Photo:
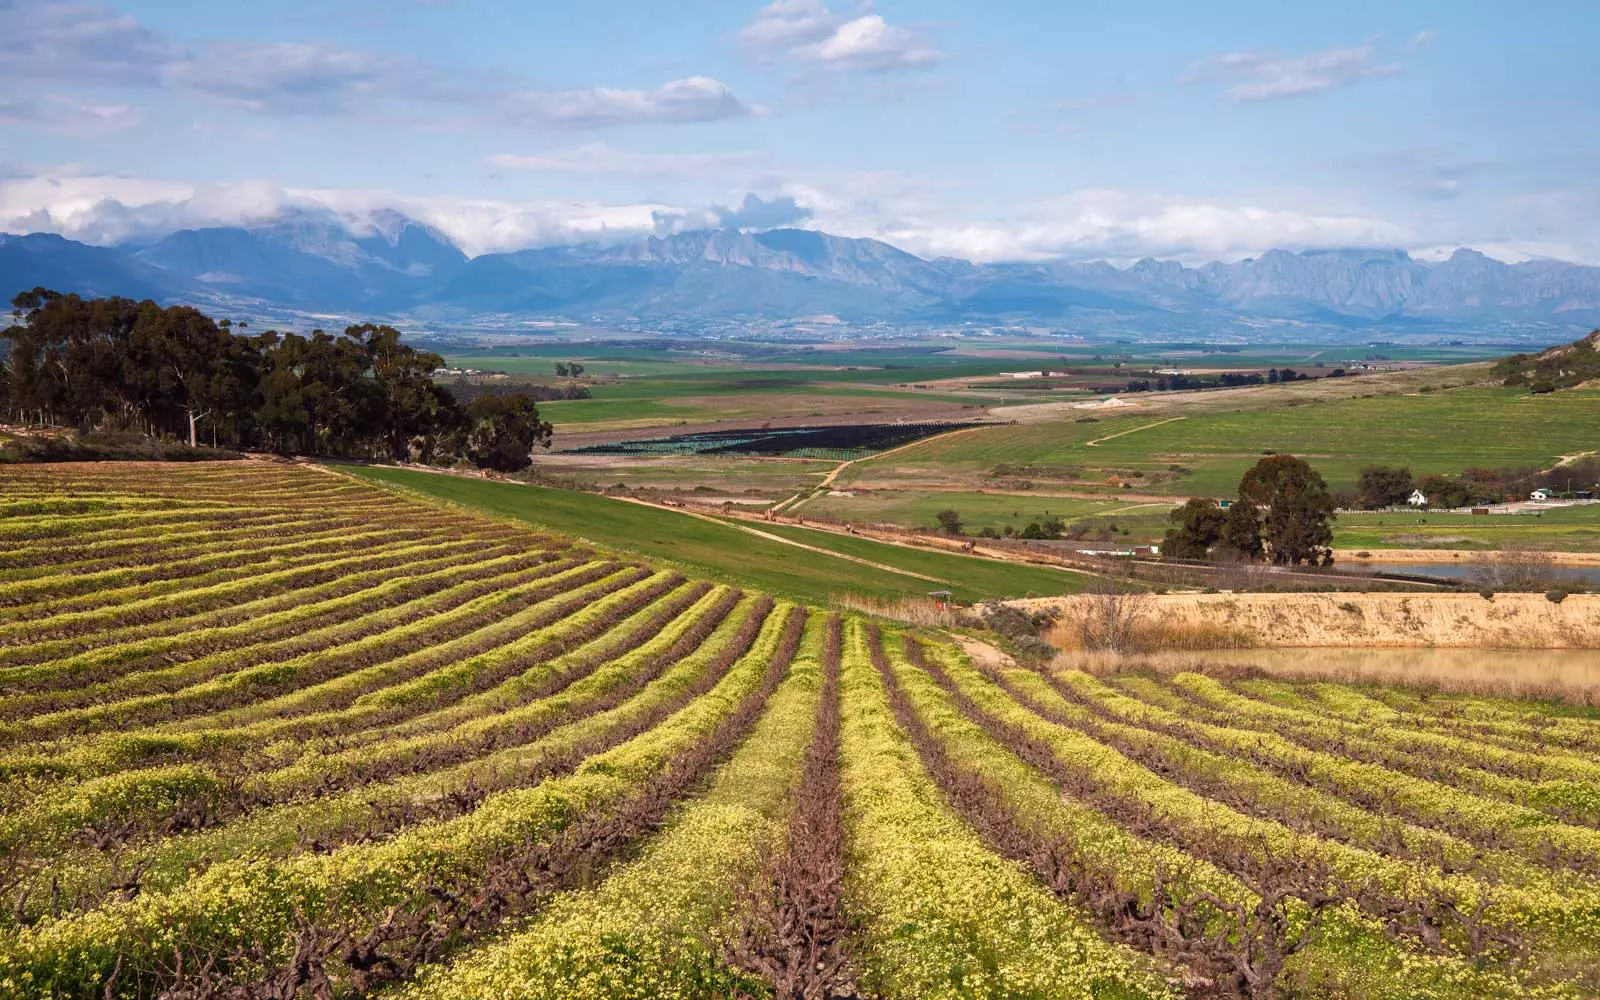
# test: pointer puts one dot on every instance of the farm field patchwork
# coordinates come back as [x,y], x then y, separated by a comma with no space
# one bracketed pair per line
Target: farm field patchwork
[1440,432]
[267,731]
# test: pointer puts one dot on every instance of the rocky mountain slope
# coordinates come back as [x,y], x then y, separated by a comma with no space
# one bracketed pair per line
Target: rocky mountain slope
[389,265]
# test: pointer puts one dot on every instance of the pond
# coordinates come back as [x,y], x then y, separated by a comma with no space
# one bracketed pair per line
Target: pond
[1465,570]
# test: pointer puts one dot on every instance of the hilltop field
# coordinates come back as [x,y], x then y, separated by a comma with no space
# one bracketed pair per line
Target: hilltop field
[1112,465]
[268,729]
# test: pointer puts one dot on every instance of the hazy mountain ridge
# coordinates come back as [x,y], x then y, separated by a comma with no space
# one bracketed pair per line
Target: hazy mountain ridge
[390,265]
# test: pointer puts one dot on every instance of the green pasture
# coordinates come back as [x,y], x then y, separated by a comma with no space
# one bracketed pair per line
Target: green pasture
[708,548]
[1445,431]
[978,510]
[708,473]
[1562,529]
[971,574]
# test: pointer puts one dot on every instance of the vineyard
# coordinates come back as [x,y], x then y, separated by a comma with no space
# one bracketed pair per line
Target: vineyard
[269,731]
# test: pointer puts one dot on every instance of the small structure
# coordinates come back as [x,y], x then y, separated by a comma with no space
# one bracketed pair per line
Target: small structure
[940,597]
[1417,499]
[1542,495]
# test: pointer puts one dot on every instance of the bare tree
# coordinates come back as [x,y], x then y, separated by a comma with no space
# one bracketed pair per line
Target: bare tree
[1111,616]
[1516,570]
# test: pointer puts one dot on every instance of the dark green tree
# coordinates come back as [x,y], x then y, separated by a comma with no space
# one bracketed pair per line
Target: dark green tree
[1384,486]
[1445,493]
[949,522]
[502,430]
[410,407]
[1241,534]
[1196,528]
[1295,508]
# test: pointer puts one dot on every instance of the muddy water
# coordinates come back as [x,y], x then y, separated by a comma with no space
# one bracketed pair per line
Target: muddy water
[1558,672]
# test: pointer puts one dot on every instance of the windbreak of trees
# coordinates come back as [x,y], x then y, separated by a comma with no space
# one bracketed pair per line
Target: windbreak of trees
[174,372]
[1382,486]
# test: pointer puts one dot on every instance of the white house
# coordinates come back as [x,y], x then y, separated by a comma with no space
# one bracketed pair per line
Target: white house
[1542,495]
[1417,499]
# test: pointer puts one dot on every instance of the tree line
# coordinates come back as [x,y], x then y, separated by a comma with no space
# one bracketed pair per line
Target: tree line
[1381,486]
[174,372]
[1175,383]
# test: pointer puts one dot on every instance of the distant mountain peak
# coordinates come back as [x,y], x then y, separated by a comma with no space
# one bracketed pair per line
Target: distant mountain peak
[387,264]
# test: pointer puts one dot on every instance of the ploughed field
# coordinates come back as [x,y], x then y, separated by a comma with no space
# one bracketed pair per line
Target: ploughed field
[267,731]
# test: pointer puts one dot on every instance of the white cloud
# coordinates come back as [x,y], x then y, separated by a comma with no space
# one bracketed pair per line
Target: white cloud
[695,99]
[1422,38]
[784,24]
[297,78]
[600,158]
[91,43]
[107,210]
[1265,76]
[900,209]
[870,43]
[79,41]
[806,31]
[69,116]
[1089,224]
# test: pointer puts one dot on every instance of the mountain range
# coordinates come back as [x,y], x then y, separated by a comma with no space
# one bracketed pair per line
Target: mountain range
[390,266]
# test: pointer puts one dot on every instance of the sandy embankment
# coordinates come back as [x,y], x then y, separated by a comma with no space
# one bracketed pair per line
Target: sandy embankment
[1509,621]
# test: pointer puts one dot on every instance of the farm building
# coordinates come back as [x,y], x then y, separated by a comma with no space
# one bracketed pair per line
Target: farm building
[1417,499]
[1542,495]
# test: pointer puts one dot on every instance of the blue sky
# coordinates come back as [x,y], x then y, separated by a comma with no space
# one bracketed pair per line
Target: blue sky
[992,131]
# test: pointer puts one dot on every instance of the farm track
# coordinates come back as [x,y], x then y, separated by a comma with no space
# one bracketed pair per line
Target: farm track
[266,731]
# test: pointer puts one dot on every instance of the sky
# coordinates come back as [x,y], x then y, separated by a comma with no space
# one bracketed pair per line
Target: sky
[991,131]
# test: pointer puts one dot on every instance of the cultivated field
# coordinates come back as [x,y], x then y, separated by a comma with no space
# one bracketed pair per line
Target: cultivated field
[1203,452]
[269,731]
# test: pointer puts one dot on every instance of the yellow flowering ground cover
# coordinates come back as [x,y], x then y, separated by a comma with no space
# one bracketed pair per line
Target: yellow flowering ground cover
[269,730]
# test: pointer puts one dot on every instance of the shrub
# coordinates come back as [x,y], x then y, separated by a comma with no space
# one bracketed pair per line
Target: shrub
[1555,595]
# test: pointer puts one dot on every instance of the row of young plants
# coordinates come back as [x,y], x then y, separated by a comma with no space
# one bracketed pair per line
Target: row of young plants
[92,658]
[1330,785]
[665,923]
[401,892]
[317,679]
[142,542]
[575,724]
[1317,926]
[1507,753]
[220,597]
[198,551]
[141,654]
[130,803]
[1524,815]
[939,914]
[1447,913]
[1251,774]
[42,596]
[54,684]
[1533,740]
